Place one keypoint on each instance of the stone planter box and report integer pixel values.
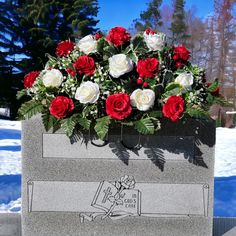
(69, 189)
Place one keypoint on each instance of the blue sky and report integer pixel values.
(123, 12)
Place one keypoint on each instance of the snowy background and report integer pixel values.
(10, 169)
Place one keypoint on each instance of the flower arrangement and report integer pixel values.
(100, 81)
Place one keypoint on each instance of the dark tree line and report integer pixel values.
(31, 28)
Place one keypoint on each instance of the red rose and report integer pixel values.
(64, 48)
(179, 64)
(181, 53)
(173, 107)
(85, 65)
(98, 35)
(118, 106)
(30, 78)
(71, 71)
(148, 68)
(217, 90)
(150, 31)
(61, 106)
(118, 36)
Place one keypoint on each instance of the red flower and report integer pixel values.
(148, 68)
(150, 31)
(85, 65)
(118, 106)
(30, 78)
(64, 48)
(179, 64)
(145, 84)
(61, 107)
(181, 53)
(217, 90)
(173, 107)
(71, 71)
(118, 36)
(139, 81)
(98, 36)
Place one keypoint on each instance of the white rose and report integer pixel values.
(142, 99)
(87, 45)
(52, 78)
(88, 92)
(185, 80)
(155, 41)
(119, 64)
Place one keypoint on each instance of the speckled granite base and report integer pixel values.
(10, 224)
(156, 163)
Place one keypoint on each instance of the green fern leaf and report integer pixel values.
(29, 109)
(50, 121)
(212, 88)
(145, 126)
(21, 93)
(197, 112)
(102, 126)
(84, 122)
(68, 125)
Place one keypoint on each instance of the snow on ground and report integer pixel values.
(8, 124)
(10, 142)
(225, 162)
(10, 162)
(12, 206)
(10, 146)
(10, 155)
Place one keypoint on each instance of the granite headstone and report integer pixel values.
(77, 188)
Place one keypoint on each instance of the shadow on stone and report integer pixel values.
(120, 152)
(156, 156)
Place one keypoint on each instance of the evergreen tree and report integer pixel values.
(45, 23)
(31, 28)
(178, 25)
(9, 46)
(151, 18)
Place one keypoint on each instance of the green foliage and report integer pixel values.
(21, 93)
(33, 28)
(68, 125)
(145, 126)
(100, 45)
(102, 127)
(110, 51)
(168, 77)
(67, 20)
(178, 25)
(155, 114)
(210, 99)
(197, 112)
(172, 89)
(151, 18)
(139, 46)
(172, 86)
(84, 122)
(212, 88)
(29, 109)
(50, 121)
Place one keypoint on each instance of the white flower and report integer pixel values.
(88, 92)
(87, 44)
(119, 64)
(185, 80)
(155, 41)
(52, 78)
(142, 99)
